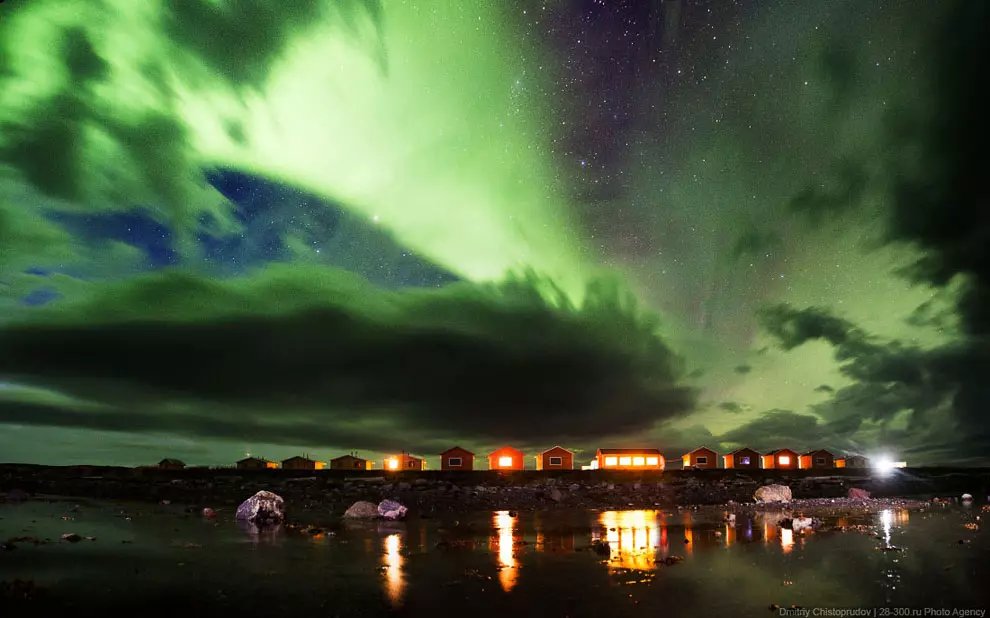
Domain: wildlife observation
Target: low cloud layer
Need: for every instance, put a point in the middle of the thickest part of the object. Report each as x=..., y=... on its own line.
x=317, y=354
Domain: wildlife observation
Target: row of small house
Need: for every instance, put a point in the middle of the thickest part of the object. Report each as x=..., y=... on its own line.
x=559, y=458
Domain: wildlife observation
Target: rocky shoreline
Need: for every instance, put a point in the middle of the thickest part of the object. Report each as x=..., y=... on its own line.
x=430, y=495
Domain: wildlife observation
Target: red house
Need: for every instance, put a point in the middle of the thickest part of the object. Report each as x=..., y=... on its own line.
x=782, y=459
x=557, y=458
x=398, y=463
x=457, y=458
x=742, y=458
x=816, y=459
x=701, y=457
x=506, y=458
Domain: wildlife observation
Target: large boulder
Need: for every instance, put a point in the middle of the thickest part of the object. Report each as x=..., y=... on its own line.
x=855, y=493
x=773, y=493
x=362, y=510
x=263, y=507
x=390, y=509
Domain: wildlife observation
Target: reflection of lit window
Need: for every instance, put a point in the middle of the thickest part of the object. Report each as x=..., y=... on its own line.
x=505, y=462
x=631, y=536
x=393, y=567
x=653, y=461
x=625, y=461
x=784, y=460
x=611, y=461
x=393, y=464
x=639, y=461
x=744, y=461
x=786, y=539
x=507, y=574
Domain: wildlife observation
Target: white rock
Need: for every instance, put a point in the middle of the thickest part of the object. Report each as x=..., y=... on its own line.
x=262, y=507
x=800, y=523
x=967, y=497
x=390, y=509
x=773, y=493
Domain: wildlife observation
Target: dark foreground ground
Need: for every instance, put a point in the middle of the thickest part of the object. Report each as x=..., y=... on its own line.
x=151, y=559
x=436, y=493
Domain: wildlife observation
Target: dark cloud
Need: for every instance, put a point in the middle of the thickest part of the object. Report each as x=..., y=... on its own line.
x=824, y=388
x=730, y=406
x=491, y=362
x=755, y=242
x=781, y=429
x=743, y=369
x=837, y=191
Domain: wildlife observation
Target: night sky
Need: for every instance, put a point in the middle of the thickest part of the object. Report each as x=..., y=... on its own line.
x=320, y=227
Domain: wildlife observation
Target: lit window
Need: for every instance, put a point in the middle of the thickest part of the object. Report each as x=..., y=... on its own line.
x=784, y=460
x=625, y=461
x=393, y=464
x=556, y=461
x=639, y=461
x=653, y=461
x=611, y=461
x=454, y=462
x=819, y=461
x=701, y=460
x=504, y=462
x=744, y=461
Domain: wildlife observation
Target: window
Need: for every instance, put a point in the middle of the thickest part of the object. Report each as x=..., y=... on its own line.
x=744, y=461
x=411, y=464
x=639, y=461
x=358, y=464
x=556, y=461
x=393, y=464
x=784, y=460
x=653, y=461
x=611, y=461
x=625, y=461
x=504, y=462
x=454, y=462
x=819, y=461
x=701, y=460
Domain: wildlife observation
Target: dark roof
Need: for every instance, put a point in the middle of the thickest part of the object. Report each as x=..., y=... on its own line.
x=629, y=451
x=349, y=456
x=171, y=462
x=261, y=459
x=406, y=455
x=300, y=458
x=505, y=448
x=701, y=448
x=457, y=448
x=778, y=450
x=818, y=450
x=745, y=448
x=557, y=447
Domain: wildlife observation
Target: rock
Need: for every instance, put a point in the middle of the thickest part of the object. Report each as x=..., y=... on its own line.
x=362, y=510
x=773, y=493
x=262, y=508
x=390, y=509
x=574, y=487
x=209, y=513
x=71, y=537
x=967, y=498
x=15, y=495
x=800, y=523
x=403, y=487
x=555, y=495
x=855, y=493
x=420, y=482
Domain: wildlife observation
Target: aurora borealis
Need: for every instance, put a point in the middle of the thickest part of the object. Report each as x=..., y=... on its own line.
x=376, y=225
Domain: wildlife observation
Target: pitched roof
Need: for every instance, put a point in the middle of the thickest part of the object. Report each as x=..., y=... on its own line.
x=552, y=448
x=299, y=457
x=701, y=448
x=457, y=448
x=779, y=450
x=818, y=450
x=173, y=462
x=745, y=448
x=505, y=449
x=629, y=451
x=261, y=459
x=349, y=456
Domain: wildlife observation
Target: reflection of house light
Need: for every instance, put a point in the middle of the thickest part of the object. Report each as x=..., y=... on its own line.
x=393, y=568
x=688, y=540
x=886, y=520
x=784, y=460
x=504, y=462
x=507, y=574
x=653, y=461
x=611, y=461
x=786, y=540
x=631, y=536
x=393, y=464
x=730, y=535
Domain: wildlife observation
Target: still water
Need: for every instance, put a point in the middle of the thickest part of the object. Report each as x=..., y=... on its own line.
x=162, y=561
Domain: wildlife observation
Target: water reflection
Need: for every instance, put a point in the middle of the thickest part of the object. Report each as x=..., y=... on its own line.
x=631, y=537
x=392, y=559
x=786, y=540
x=261, y=535
x=505, y=542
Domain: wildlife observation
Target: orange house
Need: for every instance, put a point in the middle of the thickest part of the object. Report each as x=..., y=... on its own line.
x=302, y=463
x=457, y=458
x=701, y=457
x=783, y=459
x=816, y=459
x=403, y=461
x=506, y=458
x=742, y=458
x=556, y=458
x=629, y=459
x=852, y=461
